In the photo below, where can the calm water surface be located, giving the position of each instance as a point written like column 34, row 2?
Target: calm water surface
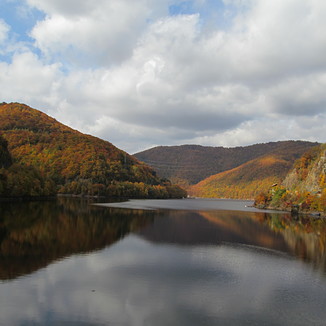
column 176, row 262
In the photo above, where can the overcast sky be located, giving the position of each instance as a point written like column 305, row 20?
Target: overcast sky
column 167, row 72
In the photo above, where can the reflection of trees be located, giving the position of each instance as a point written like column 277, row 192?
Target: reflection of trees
column 244, row 227
column 212, row 228
column 305, row 236
column 34, row 234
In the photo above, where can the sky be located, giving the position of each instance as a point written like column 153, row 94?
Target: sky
column 166, row 72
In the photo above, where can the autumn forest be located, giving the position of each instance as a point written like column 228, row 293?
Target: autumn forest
column 41, row 157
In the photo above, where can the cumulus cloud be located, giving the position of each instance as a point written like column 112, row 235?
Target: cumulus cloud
column 300, row 96
column 92, row 33
column 4, row 29
column 27, row 79
column 266, row 130
column 140, row 76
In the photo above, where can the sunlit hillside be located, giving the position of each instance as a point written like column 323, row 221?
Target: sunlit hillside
column 70, row 162
column 304, row 188
column 246, row 180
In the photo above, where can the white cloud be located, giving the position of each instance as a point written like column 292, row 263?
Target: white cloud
column 101, row 32
column 266, row 130
column 64, row 7
column 138, row 77
column 26, row 79
column 270, row 41
column 4, row 29
column 299, row 96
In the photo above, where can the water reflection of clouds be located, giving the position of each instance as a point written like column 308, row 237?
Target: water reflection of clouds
column 138, row 283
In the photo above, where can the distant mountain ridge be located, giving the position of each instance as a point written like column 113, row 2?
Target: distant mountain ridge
column 189, row 164
column 58, row 159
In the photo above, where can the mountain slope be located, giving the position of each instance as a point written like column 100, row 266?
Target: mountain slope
column 21, row 180
column 246, row 180
column 308, row 172
column 5, row 157
column 189, row 164
column 75, row 162
column 304, row 188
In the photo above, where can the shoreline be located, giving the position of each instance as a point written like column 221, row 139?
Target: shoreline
column 198, row 204
column 299, row 212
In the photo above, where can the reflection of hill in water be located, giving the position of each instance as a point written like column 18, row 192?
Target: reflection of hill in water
column 34, row 234
column 212, row 227
column 304, row 238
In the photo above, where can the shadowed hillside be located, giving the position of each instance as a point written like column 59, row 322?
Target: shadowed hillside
column 189, row 164
column 5, row 158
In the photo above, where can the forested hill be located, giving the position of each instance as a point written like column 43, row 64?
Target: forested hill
column 189, row 164
column 245, row 181
column 5, row 157
column 47, row 157
column 304, row 188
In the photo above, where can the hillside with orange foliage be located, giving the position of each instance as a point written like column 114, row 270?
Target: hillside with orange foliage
column 189, row 164
column 245, row 181
column 74, row 162
column 303, row 189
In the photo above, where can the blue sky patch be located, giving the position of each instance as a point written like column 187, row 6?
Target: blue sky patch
column 183, row 8
column 20, row 18
column 213, row 13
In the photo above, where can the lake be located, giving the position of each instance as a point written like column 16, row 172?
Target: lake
column 159, row 262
